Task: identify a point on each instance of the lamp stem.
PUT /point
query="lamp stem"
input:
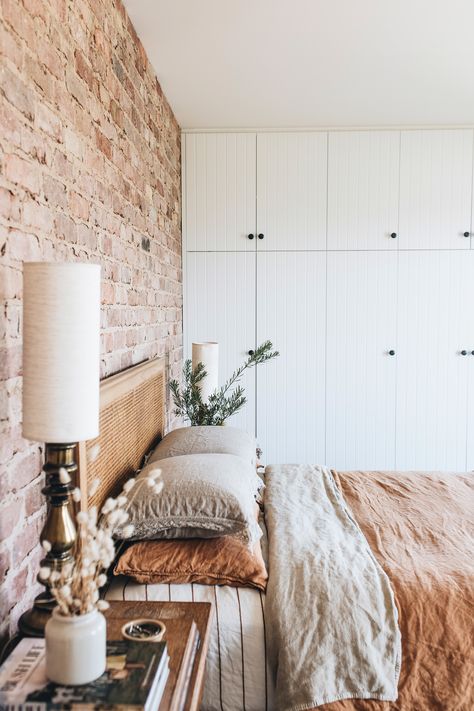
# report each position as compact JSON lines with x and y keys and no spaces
{"x":59,"y":530}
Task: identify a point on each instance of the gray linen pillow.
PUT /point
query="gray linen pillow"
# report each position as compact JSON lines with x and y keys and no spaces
{"x":203,"y":496}
{"x":207,"y":439}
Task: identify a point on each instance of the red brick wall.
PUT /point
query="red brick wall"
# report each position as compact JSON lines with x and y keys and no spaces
{"x":89,"y":170}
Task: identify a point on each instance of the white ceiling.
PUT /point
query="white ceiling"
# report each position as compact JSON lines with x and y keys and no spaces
{"x":311,"y":63}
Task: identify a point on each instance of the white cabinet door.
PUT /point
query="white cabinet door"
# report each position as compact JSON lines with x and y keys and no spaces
{"x":291,"y":191}
{"x":363,"y":182}
{"x":435,"y":324}
{"x":220,"y":306}
{"x":291,"y":312}
{"x":470,"y":410}
{"x":470,"y":403}
{"x":435,"y":189}
{"x":219,"y":191}
{"x":472,"y":201}
{"x":361,"y":372}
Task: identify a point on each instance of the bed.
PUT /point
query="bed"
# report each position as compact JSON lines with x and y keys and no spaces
{"x":419,"y":530}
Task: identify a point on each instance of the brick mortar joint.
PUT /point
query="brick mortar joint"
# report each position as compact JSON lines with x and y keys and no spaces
{"x":68,"y":126}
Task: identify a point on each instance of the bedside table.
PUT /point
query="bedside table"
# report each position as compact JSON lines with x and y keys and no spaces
{"x":172,"y":614}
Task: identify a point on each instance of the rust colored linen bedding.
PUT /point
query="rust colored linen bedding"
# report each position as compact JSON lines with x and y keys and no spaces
{"x":209,"y":561}
{"x":420,"y":527}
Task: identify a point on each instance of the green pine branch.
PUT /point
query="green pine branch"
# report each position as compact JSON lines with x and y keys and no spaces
{"x":220,"y":405}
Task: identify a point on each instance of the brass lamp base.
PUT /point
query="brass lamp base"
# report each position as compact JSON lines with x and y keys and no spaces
{"x":33,"y":622}
{"x":59,"y":530}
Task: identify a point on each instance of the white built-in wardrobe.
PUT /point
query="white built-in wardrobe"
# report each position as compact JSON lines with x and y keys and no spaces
{"x":353,"y":252}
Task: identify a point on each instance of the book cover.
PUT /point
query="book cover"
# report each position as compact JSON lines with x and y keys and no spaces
{"x":132,"y":678}
{"x":186,"y":669}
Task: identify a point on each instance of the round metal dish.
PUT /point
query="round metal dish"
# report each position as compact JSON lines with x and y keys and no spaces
{"x":144,"y":630}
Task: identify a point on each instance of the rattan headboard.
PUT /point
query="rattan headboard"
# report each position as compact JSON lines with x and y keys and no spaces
{"x":132,"y":421}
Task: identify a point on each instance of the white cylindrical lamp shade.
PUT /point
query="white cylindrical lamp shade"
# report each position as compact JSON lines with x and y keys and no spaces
{"x":61,"y":351}
{"x":208,"y":355}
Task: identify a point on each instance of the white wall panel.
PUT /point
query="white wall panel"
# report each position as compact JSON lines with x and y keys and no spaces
{"x":363,"y":181}
{"x":219,"y":191}
{"x":435,"y":323}
{"x":220,"y":306}
{"x":435,"y":189}
{"x":291,"y":312}
{"x":361,"y":375}
{"x":291,"y":190}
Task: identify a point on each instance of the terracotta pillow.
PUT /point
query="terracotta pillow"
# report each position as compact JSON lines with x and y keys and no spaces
{"x":211,"y":561}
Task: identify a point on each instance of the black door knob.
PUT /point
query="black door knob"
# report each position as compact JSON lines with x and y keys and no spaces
{"x":251,"y":353}
{"x":391,"y":352}
{"x":261,"y":235}
{"x":393,"y":235}
{"x":251,"y":236}
{"x":467,"y":234}
{"x":463,"y":352}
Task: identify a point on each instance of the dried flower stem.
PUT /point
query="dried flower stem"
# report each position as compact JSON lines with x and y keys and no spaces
{"x":76,"y":586}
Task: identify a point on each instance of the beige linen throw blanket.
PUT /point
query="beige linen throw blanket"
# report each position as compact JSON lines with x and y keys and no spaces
{"x":332,"y":619}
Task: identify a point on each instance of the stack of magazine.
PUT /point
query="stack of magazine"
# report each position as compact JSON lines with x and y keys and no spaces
{"x":135,"y":678}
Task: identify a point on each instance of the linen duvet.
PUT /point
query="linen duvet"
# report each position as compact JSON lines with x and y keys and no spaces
{"x":406,"y":566}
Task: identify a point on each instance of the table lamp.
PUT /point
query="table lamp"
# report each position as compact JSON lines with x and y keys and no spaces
{"x":61,"y":359}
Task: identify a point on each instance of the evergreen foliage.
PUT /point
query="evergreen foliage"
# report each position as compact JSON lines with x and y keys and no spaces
{"x":221,"y":404}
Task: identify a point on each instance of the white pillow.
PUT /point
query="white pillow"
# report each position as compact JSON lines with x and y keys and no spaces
{"x":207,"y":439}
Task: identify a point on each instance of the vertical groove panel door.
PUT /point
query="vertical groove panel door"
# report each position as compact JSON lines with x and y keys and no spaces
{"x":291,"y":312}
{"x":435,"y":189}
{"x":361,"y":373}
{"x":363,"y":182}
{"x":435,"y":324}
{"x":469,"y":308}
{"x":291,"y":191}
{"x":219,"y":191}
{"x":471,"y":240}
{"x":220,"y":306}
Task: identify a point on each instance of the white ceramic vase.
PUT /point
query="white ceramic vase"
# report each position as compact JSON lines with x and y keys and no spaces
{"x":75,"y":647}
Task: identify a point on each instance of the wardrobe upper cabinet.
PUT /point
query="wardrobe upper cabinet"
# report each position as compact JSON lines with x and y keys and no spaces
{"x":220,"y":306}
{"x":363,"y":176}
{"x":435,"y":189}
{"x":219,"y":188}
{"x":291,"y":191}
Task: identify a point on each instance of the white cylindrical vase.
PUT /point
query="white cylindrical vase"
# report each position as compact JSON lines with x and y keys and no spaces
{"x":208,"y":355}
{"x":75,"y":647}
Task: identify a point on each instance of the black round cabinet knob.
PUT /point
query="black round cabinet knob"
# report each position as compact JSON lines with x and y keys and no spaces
{"x":391,"y":352}
{"x":467,"y":234}
{"x":393,"y":235}
{"x":261,"y":235}
{"x":251,"y":236}
{"x":251,"y":353}
{"x":463,"y":352}
{"x":472,"y":352}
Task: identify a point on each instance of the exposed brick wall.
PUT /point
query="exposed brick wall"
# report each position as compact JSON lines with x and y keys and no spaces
{"x":90,"y":170}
